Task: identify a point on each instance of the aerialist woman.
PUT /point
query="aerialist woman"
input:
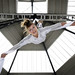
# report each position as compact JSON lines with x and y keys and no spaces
{"x":35,"y":35}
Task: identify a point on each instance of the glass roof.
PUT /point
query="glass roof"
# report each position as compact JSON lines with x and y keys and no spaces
{"x":62,"y":49}
{"x":31,"y":61}
{"x":36,"y":61}
{"x":25,"y":7}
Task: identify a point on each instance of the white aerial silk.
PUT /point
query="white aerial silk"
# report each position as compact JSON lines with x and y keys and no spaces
{"x":39,"y":25}
{"x":31,"y":39}
{"x":1,"y":63}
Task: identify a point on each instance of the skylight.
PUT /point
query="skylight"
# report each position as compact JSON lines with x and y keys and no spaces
{"x":38,"y":7}
{"x":5,"y":45}
{"x":71,"y":7}
{"x":31,"y":61}
{"x":62,"y":49}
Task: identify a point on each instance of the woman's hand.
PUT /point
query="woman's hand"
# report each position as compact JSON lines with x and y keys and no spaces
{"x":3,"y":55}
{"x":73,"y":24}
{"x":63,"y":23}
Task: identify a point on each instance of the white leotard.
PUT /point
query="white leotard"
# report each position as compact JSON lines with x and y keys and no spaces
{"x":31,"y":39}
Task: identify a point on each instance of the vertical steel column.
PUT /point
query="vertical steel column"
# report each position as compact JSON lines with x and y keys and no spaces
{"x":49,"y":58}
{"x":32,"y":5}
{"x":12,"y":62}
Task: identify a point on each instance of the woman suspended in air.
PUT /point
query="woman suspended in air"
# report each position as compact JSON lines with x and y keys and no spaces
{"x":36,"y":34}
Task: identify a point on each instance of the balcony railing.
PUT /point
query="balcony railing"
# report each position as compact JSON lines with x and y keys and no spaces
{"x":45,"y":17}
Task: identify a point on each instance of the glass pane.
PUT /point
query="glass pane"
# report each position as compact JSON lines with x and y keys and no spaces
{"x":31,"y":61}
{"x":71,"y":9}
{"x":24,"y":7}
{"x":5,"y":45}
{"x":71,"y":0}
{"x":71,"y":3}
{"x":71,"y":12}
{"x":71,"y":28}
{"x":38,"y":7}
{"x":62,"y":49}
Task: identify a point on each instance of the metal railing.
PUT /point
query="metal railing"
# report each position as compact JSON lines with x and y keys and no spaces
{"x":45,"y":17}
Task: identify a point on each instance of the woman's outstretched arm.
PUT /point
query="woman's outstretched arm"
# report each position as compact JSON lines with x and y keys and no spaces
{"x":23,"y":42}
{"x":57,"y":26}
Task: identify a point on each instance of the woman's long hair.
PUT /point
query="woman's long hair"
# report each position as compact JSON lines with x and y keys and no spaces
{"x":25,"y":24}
